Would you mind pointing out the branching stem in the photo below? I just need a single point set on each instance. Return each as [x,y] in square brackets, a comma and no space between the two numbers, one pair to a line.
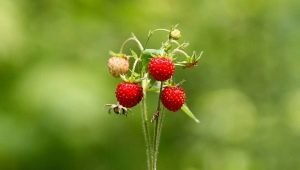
[178,51]
[152,32]
[134,65]
[133,38]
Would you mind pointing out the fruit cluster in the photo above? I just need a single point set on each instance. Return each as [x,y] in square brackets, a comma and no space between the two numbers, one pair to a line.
[151,71]
[159,64]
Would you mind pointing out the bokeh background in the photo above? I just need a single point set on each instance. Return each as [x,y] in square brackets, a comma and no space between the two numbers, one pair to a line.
[54,84]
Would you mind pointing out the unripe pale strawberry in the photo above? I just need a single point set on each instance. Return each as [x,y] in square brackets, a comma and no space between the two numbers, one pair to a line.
[175,34]
[118,65]
[161,68]
[173,98]
[129,94]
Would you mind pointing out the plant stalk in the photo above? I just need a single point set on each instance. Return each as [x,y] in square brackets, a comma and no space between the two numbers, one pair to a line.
[157,129]
[158,134]
[178,51]
[133,38]
[146,131]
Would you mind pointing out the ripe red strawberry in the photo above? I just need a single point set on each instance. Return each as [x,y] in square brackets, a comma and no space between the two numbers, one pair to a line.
[173,98]
[129,94]
[161,68]
[118,65]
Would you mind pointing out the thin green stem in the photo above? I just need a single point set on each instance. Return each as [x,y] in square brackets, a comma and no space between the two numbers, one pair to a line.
[175,42]
[148,38]
[138,43]
[152,32]
[146,131]
[178,51]
[156,137]
[160,29]
[134,65]
[144,110]
[157,141]
[133,38]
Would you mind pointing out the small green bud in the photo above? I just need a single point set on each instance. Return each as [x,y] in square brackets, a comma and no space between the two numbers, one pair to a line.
[175,34]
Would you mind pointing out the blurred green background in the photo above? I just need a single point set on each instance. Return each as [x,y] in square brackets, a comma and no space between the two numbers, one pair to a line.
[54,84]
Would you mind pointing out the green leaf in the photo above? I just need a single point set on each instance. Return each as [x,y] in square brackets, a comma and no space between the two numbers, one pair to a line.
[155,87]
[134,55]
[153,51]
[186,110]
[146,59]
[147,55]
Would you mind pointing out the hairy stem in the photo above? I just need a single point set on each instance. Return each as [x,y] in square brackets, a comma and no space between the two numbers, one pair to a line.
[146,131]
[178,51]
[157,129]
[134,65]
[133,38]
[159,123]
[152,32]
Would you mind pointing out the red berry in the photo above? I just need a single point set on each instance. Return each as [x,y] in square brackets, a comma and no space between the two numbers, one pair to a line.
[129,94]
[173,98]
[161,68]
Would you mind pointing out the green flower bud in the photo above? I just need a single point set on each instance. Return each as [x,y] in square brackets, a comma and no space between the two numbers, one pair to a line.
[175,34]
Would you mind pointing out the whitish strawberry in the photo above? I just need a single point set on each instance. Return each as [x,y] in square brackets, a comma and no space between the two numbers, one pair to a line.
[118,65]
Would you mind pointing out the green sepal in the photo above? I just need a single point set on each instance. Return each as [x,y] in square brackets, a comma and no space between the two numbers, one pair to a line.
[148,54]
[187,111]
[134,55]
[154,88]
[118,54]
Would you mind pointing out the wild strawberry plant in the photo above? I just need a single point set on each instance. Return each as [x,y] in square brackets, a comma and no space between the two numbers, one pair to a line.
[152,71]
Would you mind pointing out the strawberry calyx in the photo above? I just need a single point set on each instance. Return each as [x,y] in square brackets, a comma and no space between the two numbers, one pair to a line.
[121,55]
[163,56]
[134,78]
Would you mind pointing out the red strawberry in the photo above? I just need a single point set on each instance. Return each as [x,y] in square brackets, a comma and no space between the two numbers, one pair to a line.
[129,94]
[161,68]
[173,98]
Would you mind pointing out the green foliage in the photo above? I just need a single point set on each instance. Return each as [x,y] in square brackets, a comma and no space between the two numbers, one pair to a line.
[54,84]
[187,111]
